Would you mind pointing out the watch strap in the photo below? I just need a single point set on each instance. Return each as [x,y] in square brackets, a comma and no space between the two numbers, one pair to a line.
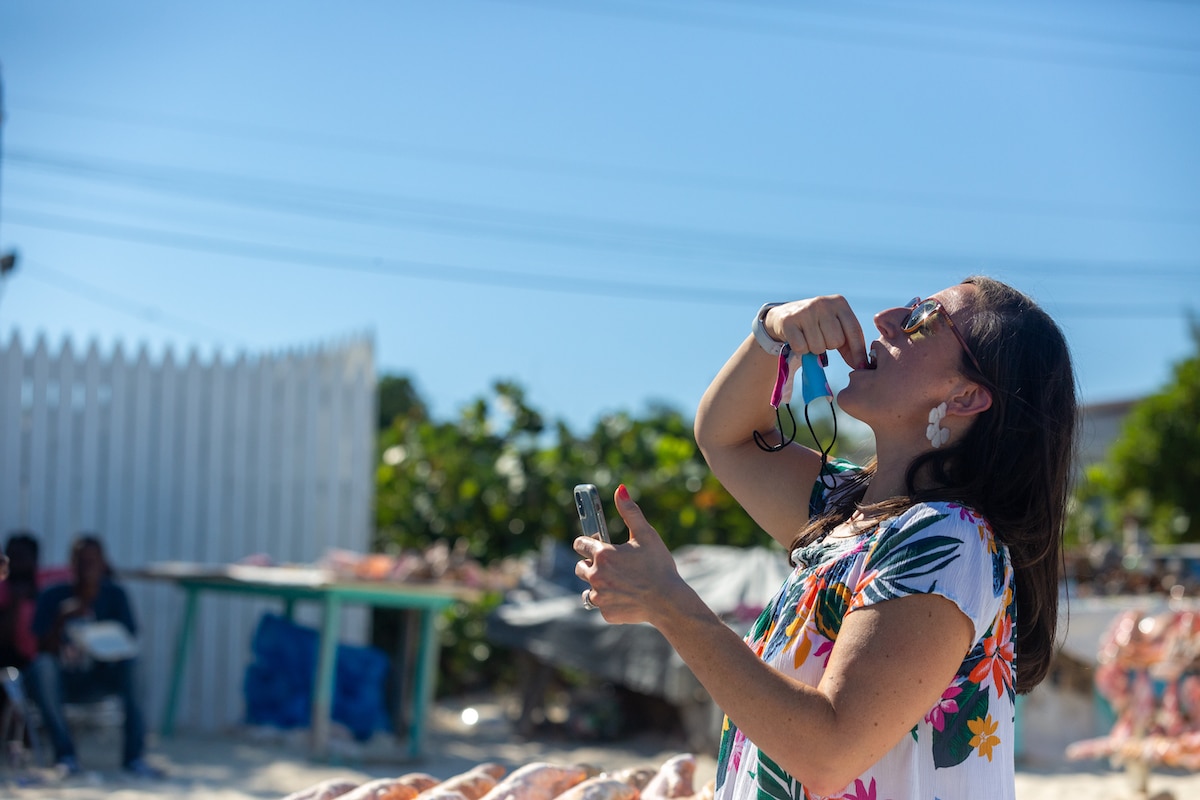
[768,343]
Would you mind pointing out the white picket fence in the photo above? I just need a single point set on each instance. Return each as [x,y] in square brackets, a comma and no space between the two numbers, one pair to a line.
[197,461]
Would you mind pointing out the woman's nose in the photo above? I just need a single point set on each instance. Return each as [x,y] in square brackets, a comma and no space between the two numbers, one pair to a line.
[888,321]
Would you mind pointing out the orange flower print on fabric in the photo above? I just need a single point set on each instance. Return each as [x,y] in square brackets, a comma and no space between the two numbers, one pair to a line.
[795,625]
[985,737]
[985,536]
[812,590]
[760,645]
[997,656]
[802,651]
[796,630]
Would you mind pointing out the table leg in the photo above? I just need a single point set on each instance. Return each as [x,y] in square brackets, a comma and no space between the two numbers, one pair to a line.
[182,640]
[424,681]
[322,706]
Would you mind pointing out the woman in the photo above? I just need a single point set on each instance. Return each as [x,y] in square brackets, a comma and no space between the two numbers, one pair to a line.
[924,594]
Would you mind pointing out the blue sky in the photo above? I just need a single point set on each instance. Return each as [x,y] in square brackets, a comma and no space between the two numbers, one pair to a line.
[592,199]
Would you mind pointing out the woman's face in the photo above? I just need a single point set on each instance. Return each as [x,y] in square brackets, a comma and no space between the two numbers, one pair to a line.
[913,373]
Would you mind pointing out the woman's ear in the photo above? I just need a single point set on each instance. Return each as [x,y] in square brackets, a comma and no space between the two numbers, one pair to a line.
[972,399]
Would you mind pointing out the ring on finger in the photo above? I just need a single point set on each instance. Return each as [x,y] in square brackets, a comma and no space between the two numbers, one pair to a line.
[587,600]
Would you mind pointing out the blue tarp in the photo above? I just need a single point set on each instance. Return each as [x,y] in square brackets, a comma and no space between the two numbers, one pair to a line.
[278,686]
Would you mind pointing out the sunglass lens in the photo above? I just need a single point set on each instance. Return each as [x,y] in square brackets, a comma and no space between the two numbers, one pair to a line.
[917,317]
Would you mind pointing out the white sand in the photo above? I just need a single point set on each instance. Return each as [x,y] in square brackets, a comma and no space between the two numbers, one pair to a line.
[241,766]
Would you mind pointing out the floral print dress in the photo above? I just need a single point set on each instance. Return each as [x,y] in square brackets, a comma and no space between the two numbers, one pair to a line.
[963,747]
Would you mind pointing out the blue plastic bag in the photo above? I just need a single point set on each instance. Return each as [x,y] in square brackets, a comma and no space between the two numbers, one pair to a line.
[278,685]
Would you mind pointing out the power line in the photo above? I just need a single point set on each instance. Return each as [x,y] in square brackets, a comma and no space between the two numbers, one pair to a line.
[923,44]
[565,168]
[865,259]
[551,229]
[957,20]
[425,270]
[450,273]
[106,298]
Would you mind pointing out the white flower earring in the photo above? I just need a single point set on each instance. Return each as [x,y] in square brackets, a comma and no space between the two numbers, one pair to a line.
[935,433]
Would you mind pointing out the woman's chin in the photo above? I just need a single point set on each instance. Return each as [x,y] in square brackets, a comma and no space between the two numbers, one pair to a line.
[852,405]
[847,402]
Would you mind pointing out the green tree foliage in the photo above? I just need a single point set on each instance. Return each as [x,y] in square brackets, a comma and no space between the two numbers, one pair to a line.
[501,479]
[398,398]
[1152,473]
[464,480]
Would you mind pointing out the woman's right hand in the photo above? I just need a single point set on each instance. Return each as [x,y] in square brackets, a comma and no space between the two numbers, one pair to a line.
[819,324]
[632,582]
[773,487]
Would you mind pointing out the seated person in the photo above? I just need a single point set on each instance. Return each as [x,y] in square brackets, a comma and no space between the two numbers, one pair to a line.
[18,597]
[64,672]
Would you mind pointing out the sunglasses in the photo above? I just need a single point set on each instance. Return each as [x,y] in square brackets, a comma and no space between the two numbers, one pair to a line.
[920,311]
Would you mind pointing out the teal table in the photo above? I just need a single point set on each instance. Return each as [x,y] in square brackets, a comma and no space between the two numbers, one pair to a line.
[291,585]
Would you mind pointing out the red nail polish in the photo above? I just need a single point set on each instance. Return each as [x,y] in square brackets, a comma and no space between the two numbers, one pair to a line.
[622,492]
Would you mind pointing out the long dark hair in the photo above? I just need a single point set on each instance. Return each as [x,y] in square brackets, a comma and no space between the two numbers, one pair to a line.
[1013,465]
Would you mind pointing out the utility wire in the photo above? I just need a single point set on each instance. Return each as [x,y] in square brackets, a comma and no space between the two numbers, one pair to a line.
[556,229]
[476,276]
[926,45]
[113,301]
[424,270]
[958,19]
[564,168]
[863,259]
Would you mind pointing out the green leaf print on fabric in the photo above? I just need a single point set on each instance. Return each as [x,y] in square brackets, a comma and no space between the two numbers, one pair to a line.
[724,750]
[818,498]
[761,625]
[898,565]
[832,607]
[999,571]
[952,744]
[775,784]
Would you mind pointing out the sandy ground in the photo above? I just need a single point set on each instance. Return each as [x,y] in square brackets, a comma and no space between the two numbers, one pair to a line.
[248,765]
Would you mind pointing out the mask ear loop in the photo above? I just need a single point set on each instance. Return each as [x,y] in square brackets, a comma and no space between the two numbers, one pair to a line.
[781,379]
[826,478]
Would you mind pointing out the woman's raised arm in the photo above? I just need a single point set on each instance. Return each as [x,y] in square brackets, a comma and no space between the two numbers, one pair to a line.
[773,487]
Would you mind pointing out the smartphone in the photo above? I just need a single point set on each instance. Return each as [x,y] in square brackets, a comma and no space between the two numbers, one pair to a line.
[591,514]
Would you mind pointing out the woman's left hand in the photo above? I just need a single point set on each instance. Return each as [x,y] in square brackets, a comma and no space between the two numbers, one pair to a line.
[631,582]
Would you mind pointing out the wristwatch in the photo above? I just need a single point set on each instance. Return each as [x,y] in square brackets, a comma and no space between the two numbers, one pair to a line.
[773,346]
